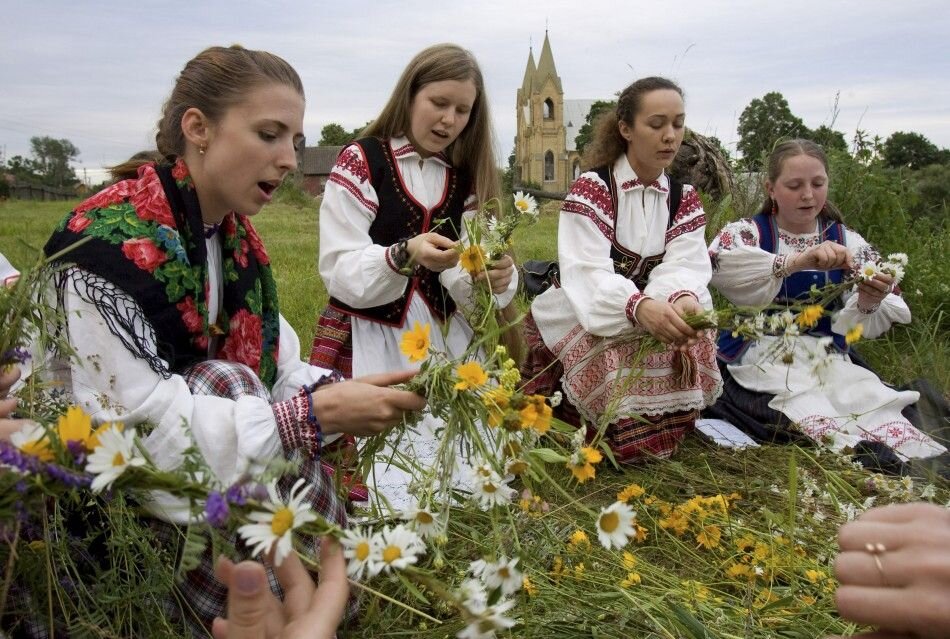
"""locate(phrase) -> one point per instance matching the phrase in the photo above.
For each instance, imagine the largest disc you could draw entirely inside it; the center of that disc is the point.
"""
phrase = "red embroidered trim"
(634, 183)
(683, 293)
(688, 205)
(631, 308)
(354, 190)
(594, 191)
(697, 222)
(571, 206)
(352, 162)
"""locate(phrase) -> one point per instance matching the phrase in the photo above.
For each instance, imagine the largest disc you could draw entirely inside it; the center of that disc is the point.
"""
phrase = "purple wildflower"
(16, 354)
(13, 456)
(237, 494)
(78, 450)
(216, 509)
(68, 477)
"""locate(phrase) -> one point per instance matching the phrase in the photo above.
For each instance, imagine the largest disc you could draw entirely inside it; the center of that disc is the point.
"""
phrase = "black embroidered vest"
(398, 217)
(627, 263)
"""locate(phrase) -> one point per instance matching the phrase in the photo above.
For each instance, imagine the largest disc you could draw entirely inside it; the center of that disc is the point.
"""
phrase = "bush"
(291, 192)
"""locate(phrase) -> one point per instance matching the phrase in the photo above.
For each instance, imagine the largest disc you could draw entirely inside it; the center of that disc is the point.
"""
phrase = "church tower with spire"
(545, 153)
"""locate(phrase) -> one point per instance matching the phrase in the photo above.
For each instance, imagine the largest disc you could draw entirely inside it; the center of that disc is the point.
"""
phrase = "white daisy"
(869, 269)
(556, 399)
(360, 552)
(898, 258)
(32, 440)
(484, 620)
(492, 491)
(526, 203)
(397, 548)
(115, 453)
(502, 574)
(615, 525)
(422, 520)
(276, 526)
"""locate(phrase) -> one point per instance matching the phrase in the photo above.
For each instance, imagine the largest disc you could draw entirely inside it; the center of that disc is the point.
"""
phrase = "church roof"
(575, 116)
(528, 75)
(546, 66)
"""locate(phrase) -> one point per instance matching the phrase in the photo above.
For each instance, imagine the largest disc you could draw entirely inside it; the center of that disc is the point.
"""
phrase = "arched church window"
(548, 109)
(549, 166)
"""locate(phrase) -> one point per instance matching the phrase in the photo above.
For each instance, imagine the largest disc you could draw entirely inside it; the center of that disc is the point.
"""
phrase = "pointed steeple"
(546, 66)
(528, 74)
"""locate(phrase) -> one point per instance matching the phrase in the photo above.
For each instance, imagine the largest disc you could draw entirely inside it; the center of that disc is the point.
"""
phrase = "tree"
(586, 133)
(764, 122)
(830, 139)
(910, 150)
(334, 134)
(23, 169)
(52, 158)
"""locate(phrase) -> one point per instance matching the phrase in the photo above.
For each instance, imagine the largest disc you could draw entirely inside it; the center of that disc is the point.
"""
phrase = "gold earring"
(201, 150)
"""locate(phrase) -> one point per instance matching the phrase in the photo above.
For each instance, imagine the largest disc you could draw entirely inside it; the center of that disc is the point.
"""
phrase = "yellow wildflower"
(709, 537)
(496, 401)
(810, 315)
(737, 571)
(632, 579)
(676, 522)
(579, 538)
(579, 570)
(854, 334)
(696, 590)
(744, 543)
(808, 600)
(582, 463)
(536, 414)
(630, 492)
(470, 376)
(472, 259)
(76, 426)
(629, 560)
(814, 576)
(415, 343)
(640, 535)
(529, 587)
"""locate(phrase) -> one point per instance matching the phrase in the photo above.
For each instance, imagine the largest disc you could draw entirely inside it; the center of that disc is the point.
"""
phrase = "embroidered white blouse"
(110, 383)
(592, 294)
(750, 276)
(356, 270)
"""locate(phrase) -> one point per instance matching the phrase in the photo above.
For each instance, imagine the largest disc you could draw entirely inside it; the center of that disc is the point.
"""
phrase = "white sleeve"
(598, 295)
(685, 267)
(892, 310)
(292, 372)
(746, 274)
(356, 271)
(112, 384)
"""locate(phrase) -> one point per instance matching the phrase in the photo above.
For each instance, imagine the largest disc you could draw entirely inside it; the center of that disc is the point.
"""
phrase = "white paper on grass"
(724, 434)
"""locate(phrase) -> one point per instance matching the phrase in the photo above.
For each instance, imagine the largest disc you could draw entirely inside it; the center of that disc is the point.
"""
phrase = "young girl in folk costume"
(172, 306)
(797, 241)
(632, 261)
(391, 220)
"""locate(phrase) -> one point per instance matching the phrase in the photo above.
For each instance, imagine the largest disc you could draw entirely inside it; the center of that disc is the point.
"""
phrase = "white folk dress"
(111, 384)
(356, 271)
(595, 302)
(839, 403)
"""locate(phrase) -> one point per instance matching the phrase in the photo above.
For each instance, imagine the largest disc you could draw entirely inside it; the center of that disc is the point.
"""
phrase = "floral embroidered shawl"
(148, 248)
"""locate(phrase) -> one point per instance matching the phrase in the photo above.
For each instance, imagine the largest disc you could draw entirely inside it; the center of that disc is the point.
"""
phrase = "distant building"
(315, 163)
(545, 153)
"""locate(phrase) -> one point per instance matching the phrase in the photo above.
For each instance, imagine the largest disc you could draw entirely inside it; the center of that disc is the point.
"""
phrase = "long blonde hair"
(473, 150)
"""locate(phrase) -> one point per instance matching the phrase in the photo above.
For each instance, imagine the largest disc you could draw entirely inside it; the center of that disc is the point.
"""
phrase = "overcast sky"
(98, 72)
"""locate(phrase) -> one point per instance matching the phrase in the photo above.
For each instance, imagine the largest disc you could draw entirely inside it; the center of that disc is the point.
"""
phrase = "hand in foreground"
(827, 256)
(365, 406)
(499, 274)
(908, 594)
(307, 611)
(664, 322)
(872, 292)
(8, 426)
(433, 251)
